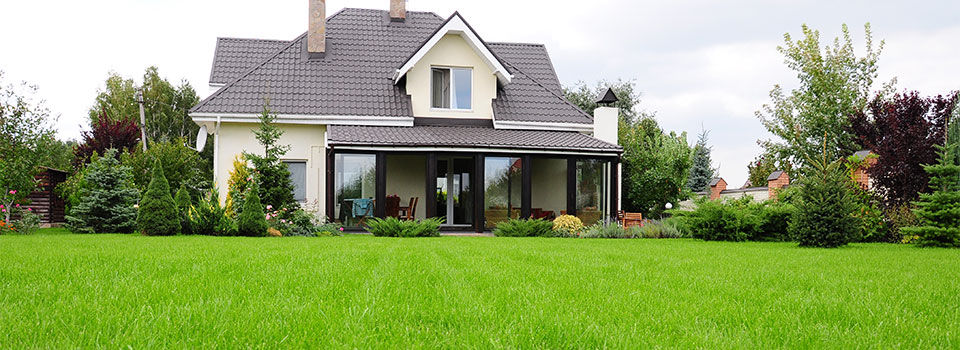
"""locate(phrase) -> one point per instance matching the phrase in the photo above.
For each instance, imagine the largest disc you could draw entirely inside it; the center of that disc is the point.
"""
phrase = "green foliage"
(586, 97)
(834, 84)
(57, 154)
(28, 223)
(252, 220)
(24, 129)
(655, 166)
(239, 179)
(106, 198)
(182, 166)
(184, 206)
(525, 228)
(297, 222)
(273, 177)
(393, 227)
(762, 166)
(602, 230)
(701, 169)
(735, 220)
(939, 212)
(158, 215)
(825, 209)
(209, 218)
(953, 135)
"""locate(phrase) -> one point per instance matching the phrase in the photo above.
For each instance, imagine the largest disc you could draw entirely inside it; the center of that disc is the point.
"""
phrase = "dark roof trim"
(425, 121)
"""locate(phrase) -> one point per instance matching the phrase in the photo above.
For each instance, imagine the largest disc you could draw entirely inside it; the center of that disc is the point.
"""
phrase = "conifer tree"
(939, 212)
(253, 220)
(107, 202)
(273, 176)
(158, 215)
(824, 208)
(184, 205)
(702, 170)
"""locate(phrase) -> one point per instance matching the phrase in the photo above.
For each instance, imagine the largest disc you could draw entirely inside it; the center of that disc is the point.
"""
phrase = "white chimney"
(317, 31)
(398, 10)
(606, 118)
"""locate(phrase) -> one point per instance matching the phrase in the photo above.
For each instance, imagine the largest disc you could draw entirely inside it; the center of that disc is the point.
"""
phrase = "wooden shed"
(44, 201)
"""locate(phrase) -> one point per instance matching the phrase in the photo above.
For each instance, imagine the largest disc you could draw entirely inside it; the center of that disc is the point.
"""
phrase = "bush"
(656, 229)
(567, 226)
(28, 223)
(393, 227)
(896, 218)
(106, 201)
(825, 210)
(209, 218)
(722, 221)
(526, 228)
(329, 229)
(184, 207)
(182, 166)
(158, 215)
(601, 230)
(295, 222)
(252, 221)
(774, 222)
(237, 184)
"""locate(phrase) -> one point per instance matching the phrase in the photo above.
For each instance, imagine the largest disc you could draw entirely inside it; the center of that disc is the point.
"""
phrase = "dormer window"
(452, 88)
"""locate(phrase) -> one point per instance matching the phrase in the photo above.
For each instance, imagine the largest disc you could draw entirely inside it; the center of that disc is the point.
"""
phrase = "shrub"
(28, 223)
(601, 230)
(329, 229)
(121, 134)
(295, 222)
(184, 207)
(774, 222)
(107, 200)
(526, 228)
(939, 212)
(158, 215)
(825, 209)
(209, 218)
(656, 229)
(898, 217)
(181, 164)
(567, 226)
(722, 221)
(237, 184)
(393, 227)
(253, 221)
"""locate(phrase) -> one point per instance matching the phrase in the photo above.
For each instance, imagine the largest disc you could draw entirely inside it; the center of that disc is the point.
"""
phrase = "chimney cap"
(775, 175)
(608, 97)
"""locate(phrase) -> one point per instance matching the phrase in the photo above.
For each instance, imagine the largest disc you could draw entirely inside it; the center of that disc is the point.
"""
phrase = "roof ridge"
(514, 43)
(562, 98)
(257, 39)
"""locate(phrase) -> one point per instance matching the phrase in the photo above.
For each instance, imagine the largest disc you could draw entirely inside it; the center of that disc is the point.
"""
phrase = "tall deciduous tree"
(833, 84)
(701, 171)
(24, 125)
(904, 131)
(105, 133)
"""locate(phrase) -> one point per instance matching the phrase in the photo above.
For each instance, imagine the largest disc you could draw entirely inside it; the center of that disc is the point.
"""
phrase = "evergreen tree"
(253, 221)
(184, 205)
(824, 215)
(107, 201)
(211, 219)
(273, 176)
(953, 135)
(939, 212)
(702, 171)
(240, 178)
(159, 215)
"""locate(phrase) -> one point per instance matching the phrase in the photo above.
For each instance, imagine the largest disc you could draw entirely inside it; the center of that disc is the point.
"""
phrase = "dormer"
(453, 74)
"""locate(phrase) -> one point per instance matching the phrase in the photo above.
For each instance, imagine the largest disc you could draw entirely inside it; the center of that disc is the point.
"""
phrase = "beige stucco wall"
(306, 143)
(758, 195)
(452, 51)
(549, 184)
(406, 178)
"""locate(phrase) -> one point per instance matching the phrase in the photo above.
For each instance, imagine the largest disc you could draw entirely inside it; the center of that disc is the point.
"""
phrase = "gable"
(452, 51)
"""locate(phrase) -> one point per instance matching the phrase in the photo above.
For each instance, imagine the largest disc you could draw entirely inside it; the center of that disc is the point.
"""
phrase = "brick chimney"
(717, 185)
(777, 180)
(317, 30)
(398, 10)
(860, 175)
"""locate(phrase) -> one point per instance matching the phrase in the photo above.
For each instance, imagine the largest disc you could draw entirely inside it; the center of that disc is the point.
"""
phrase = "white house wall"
(452, 51)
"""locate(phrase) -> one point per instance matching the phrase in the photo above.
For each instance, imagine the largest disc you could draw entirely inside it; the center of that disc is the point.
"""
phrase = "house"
(387, 108)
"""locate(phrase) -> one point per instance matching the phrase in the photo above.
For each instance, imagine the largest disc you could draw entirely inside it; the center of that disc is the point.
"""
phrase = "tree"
(158, 215)
(182, 165)
(106, 202)
(211, 219)
(184, 206)
(953, 133)
(166, 107)
(122, 135)
(939, 212)
(824, 215)
(834, 84)
(904, 131)
(272, 174)
(240, 178)
(253, 221)
(24, 126)
(701, 170)
(56, 153)
(585, 97)
(655, 166)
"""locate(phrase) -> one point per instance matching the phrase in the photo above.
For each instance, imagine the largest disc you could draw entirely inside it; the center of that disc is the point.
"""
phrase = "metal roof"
(465, 136)
(775, 175)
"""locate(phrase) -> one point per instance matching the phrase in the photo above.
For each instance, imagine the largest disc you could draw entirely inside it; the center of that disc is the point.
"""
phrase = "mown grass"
(65, 291)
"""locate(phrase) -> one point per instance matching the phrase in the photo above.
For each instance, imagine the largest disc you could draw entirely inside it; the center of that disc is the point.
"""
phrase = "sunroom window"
(451, 88)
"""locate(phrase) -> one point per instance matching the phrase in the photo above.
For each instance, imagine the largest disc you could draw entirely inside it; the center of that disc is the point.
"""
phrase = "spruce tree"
(701, 172)
(184, 205)
(939, 212)
(824, 208)
(159, 215)
(253, 220)
(273, 176)
(107, 202)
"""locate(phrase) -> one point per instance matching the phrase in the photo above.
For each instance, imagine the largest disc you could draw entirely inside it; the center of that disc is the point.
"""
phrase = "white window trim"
(452, 89)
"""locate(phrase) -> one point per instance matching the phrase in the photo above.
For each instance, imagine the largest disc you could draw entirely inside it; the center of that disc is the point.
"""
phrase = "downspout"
(216, 152)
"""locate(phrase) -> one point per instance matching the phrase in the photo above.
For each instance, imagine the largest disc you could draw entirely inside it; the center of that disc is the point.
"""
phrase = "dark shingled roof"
(464, 136)
(715, 181)
(364, 50)
(234, 56)
(775, 175)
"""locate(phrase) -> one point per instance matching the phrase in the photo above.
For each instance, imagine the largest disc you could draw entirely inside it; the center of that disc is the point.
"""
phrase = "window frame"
(453, 89)
(305, 180)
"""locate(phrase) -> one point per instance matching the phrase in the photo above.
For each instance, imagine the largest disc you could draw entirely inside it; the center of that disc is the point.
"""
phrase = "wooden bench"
(628, 220)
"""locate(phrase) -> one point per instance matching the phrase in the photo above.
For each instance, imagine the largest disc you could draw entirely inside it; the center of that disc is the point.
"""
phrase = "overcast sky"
(706, 64)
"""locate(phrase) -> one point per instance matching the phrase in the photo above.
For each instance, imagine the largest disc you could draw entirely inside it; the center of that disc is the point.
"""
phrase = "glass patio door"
(454, 193)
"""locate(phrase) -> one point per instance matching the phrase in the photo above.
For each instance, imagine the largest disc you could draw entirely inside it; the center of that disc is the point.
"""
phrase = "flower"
(18, 205)
(341, 229)
(269, 206)
(29, 209)
(13, 191)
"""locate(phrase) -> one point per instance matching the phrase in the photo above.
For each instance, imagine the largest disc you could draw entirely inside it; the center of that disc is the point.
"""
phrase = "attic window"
(451, 88)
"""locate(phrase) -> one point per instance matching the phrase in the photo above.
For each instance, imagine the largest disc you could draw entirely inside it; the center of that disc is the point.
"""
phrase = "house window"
(452, 88)
(298, 175)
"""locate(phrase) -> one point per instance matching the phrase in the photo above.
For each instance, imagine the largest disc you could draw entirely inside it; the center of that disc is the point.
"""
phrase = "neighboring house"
(384, 104)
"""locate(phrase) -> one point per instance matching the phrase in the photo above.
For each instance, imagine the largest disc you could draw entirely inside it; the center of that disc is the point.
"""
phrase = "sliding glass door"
(355, 182)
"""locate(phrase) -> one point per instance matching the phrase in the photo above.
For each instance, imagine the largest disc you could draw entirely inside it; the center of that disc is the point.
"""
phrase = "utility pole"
(143, 120)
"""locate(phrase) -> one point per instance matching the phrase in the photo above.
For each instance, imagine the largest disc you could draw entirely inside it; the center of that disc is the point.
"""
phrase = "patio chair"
(409, 212)
(392, 206)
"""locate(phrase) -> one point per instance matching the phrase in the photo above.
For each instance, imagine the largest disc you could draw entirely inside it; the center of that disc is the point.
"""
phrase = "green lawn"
(65, 291)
